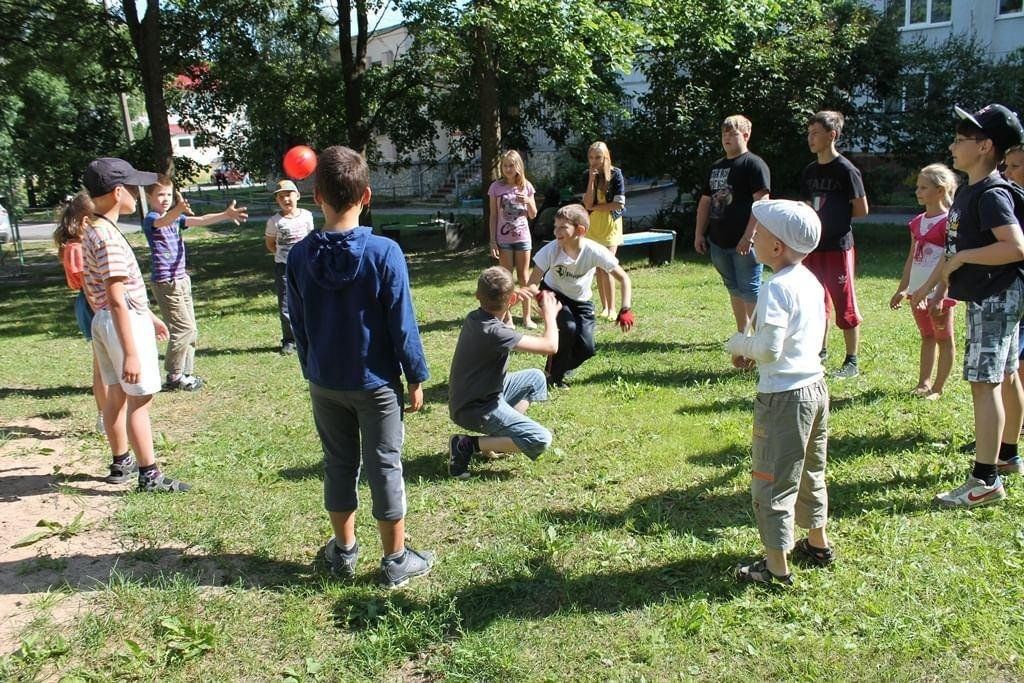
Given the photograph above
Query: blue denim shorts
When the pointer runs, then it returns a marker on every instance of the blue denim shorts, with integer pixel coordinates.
(84, 315)
(515, 246)
(502, 419)
(741, 274)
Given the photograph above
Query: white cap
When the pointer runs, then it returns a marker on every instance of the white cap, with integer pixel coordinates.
(285, 186)
(794, 223)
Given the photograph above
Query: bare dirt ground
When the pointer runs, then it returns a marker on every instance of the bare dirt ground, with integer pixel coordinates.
(43, 478)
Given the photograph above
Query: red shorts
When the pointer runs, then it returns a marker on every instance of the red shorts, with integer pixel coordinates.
(834, 270)
(938, 326)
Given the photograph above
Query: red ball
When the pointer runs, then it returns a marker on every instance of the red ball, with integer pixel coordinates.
(299, 162)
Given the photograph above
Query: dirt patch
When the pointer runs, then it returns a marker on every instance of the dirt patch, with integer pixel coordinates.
(45, 479)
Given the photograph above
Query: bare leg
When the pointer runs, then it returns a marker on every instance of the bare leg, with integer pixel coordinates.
(612, 308)
(741, 311)
(344, 526)
(777, 563)
(503, 444)
(947, 349)
(1013, 407)
(522, 263)
(140, 430)
(114, 419)
(926, 364)
(603, 286)
(99, 389)
(852, 339)
(989, 420)
(392, 536)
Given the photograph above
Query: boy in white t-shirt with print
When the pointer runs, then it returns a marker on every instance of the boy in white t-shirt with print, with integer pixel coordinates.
(791, 409)
(285, 229)
(566, 267)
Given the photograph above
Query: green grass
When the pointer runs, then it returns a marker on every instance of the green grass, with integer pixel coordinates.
(609, 558)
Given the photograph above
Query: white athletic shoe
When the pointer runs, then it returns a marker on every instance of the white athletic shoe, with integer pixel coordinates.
(972, 493)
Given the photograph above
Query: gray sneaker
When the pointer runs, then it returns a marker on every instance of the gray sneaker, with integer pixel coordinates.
(341, 562)
(972, 493)
(123, 471)
(162, 484)
(413, 563)
(847, 371)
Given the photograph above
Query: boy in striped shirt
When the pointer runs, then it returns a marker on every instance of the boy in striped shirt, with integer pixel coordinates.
(124, 329)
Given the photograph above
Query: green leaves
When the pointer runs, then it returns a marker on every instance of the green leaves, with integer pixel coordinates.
(53, 529)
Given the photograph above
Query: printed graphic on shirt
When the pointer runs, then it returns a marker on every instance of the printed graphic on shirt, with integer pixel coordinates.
(513, 207)
(721, 192)
(952, 227)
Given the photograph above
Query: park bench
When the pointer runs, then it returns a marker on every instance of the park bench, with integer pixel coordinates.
(661, 244)
(449, 231)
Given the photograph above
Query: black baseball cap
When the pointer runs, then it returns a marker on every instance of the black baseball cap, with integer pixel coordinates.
(104, 174)
(999, 124)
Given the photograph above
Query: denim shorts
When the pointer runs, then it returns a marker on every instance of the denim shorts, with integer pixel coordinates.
(992, 335)
(741, 274)
(515, 246)
(84, 315)
(502, 419)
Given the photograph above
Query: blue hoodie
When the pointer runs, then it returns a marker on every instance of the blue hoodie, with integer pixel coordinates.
(351, 311)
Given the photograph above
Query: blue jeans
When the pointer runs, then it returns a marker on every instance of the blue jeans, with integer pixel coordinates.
(84, 315)
(741, 274)
(502, 419)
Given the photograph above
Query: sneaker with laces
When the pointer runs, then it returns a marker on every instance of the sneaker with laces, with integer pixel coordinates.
(412, 563)
(184, 383)
(123, 471)
(1014, 465)
(288, 349)
(972, 493)
(847, 371)
(162, 484)
(460, 452)
(341, 562)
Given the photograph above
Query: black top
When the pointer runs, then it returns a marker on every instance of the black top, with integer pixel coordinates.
(731, 185)
(976, 210)
(829, 188)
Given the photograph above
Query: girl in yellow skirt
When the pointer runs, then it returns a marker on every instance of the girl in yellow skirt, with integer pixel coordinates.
(605, 199)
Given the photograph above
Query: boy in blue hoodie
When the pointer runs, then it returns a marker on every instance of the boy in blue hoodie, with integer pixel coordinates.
(355, 334)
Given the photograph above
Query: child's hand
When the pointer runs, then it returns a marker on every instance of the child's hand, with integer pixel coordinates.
(549, 304)
(236, 214)
(917, 297)
(494, 250)
(897, 299)
(742, 363)
(415, 398)
(132, 369)
(184, 207)
(625, 319)
(159, 328)
(951, 266)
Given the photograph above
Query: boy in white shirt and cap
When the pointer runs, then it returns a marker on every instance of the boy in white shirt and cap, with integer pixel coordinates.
(791, 408)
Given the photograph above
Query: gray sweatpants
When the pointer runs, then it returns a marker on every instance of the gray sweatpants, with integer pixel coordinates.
(361, 428)
(788, 468)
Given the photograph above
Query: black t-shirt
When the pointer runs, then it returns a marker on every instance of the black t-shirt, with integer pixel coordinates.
(976, 210)
(829, 188)
(731, 184)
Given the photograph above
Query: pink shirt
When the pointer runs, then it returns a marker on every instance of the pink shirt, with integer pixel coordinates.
(513, 225)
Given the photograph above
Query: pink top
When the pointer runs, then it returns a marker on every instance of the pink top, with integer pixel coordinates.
(513, 225)
(929, 235)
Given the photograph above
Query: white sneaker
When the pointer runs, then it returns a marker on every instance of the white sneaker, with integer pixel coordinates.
(972, 493)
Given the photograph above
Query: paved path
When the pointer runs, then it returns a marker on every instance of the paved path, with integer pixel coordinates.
(640, 204)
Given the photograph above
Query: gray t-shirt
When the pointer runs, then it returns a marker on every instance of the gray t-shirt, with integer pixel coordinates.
(479, 365)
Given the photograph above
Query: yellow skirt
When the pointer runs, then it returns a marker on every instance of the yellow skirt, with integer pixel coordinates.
(604, 230)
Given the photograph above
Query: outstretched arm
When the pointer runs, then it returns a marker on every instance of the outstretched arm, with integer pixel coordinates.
(235, 214)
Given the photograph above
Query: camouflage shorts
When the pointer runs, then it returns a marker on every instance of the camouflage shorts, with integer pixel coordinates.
(992, 335)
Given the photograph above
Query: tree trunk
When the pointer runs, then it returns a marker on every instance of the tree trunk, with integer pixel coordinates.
(146, 39)
(353, 70)
(486, 72)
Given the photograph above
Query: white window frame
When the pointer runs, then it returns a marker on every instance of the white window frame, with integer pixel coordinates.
(1008, 15)
(928, 18)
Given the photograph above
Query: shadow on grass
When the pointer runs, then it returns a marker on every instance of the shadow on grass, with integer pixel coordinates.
(544, 591)
(43, 392)
(684, 377)
(227, 351)
(152, 568)
(21, 432)
(747, 403)
(14, 487)
(441, 325)
(633, 346)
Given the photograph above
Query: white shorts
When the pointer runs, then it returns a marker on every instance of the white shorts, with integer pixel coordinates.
(110, 355)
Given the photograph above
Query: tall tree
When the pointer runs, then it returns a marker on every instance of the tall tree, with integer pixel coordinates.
(145, 34)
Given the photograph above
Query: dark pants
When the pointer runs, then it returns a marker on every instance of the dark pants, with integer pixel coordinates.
(287, 336)
(575, 336)
(361, 428)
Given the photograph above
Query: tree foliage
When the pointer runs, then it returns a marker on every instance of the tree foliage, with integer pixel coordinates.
(775, 62)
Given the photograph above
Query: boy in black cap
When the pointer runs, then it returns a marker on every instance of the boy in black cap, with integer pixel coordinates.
(124, 329)
(984, 267)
